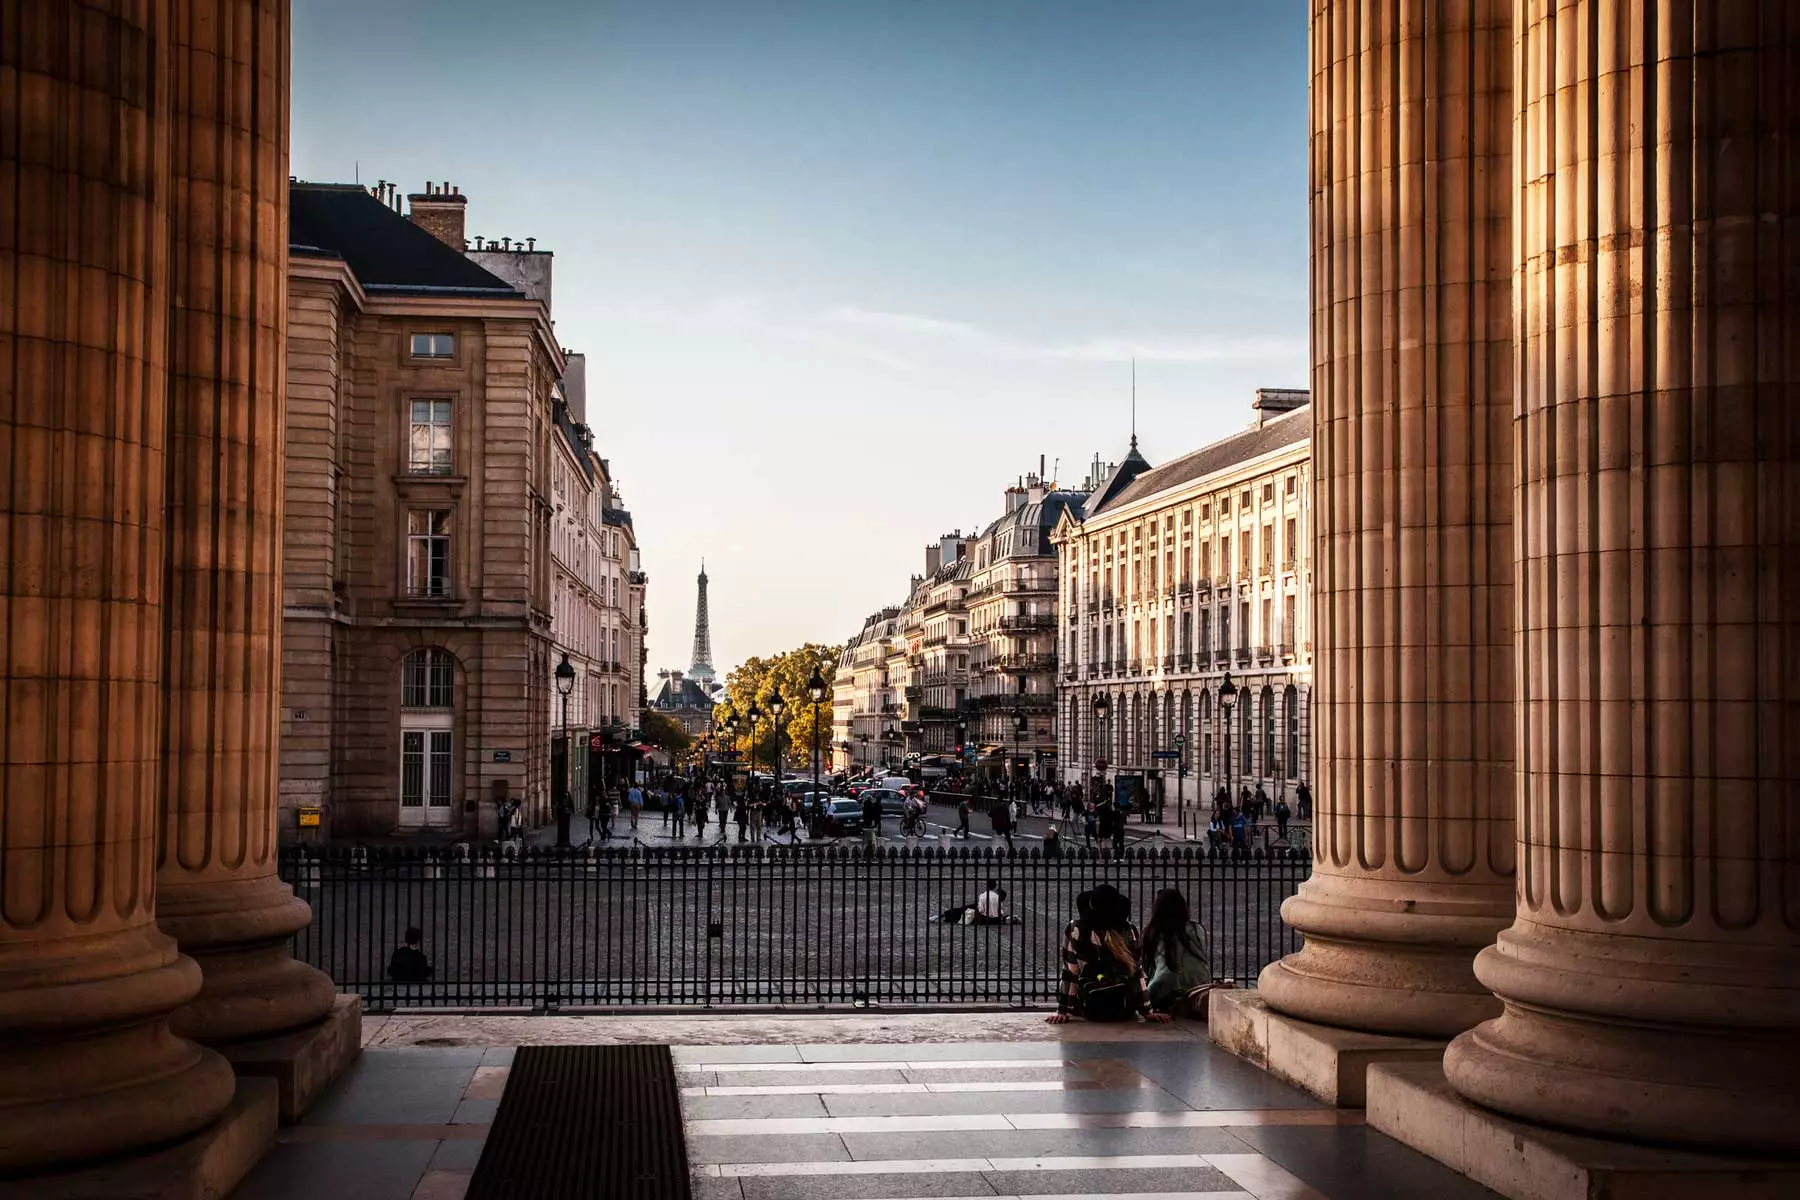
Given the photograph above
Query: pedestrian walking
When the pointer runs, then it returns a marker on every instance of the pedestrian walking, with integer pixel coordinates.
(1303, 801)
(634, 803)
(1002, 817)
(741, 814)
(1090, 821)
(1282, 813)
(962, 818)
(700, 812)
(758, 813)
(678, 803)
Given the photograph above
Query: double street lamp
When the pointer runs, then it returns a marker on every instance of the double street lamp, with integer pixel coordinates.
(565, 683)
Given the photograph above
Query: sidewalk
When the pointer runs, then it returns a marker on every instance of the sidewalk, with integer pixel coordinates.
(800, 1107)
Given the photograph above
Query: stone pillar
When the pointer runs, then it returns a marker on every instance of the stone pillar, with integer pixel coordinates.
(88, 1065)
(1412, 453)
(220, 897)
(1651, 980)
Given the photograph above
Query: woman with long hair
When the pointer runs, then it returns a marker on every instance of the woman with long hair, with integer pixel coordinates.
(1174, 952)
(1103, 978)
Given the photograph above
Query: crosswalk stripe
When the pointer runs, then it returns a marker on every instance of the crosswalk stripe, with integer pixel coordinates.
(927, 1064)
(869, 1089)
(944, 1166)
(936, 1123)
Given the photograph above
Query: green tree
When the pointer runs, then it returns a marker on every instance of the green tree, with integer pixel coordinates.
(760, 680)
(665, 733)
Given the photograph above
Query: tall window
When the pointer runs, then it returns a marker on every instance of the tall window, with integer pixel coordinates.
(1291, 700)
(1225, 551)
(1269, 761)
(434, 345)
(1206, 755)
(428, 553)
(1293, 541)
(1244, 707)
(428, 453)
(425, 771)
(427, 679)
(1287, 621)
(1268, 563)
(1244, 542)
(1244, 623)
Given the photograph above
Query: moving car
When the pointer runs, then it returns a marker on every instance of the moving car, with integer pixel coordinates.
(842, 816)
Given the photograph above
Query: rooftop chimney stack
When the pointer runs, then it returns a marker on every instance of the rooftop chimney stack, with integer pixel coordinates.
(440, 212)
(1272, 402)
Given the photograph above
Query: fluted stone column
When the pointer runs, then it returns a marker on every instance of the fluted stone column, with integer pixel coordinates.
(88, 1065)
(220, 896)
(1652, 978)
(1412, 454)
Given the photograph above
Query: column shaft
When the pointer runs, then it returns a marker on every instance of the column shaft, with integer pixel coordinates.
(1413, 856)
(1651, 980)
(88, 1065)
(220, 897)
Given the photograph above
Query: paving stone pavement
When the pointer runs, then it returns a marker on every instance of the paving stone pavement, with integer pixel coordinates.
(870, 1108)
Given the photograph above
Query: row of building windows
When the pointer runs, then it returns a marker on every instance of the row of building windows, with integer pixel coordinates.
(1268, 728)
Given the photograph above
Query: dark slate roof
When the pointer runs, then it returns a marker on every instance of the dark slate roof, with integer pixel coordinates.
(615, 516)
(689, 695)
(383, 249)
(1129, 468)
(1272, 435)
(572, 436)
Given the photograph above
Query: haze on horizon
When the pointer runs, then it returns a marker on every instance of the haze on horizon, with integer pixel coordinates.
(843, 271)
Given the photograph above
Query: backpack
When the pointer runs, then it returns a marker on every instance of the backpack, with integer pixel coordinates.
(1105, 986)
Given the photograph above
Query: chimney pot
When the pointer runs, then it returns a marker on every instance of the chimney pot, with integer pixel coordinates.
(531, 243)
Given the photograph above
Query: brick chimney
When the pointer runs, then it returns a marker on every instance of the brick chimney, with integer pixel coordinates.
(439, 210)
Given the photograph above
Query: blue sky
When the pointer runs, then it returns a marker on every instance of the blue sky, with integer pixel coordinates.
(843, 269)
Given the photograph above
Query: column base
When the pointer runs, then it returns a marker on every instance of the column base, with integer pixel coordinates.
(203, 1166)
(1413, 1103)
(1322, 1060)
(304, 1062)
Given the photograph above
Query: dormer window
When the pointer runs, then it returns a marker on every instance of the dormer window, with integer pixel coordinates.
(434, 345)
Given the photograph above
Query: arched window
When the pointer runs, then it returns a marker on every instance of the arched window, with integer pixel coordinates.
(1245, 707)
(1270, 765)
(1291, 702)
(427, 678)
(1206, 735)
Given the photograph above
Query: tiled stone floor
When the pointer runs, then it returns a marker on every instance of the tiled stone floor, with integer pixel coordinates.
(875, 1107)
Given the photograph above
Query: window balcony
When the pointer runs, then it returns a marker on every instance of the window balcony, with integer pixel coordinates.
(1265, 653)
(1168, 663)
(1243, 656)
(1286, 650)
(1029, 621)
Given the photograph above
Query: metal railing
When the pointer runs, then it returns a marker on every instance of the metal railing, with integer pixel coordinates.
(805, 926)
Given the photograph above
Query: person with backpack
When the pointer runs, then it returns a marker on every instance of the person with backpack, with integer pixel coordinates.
(1102, 979)
(1282, 815)
(1174, 953)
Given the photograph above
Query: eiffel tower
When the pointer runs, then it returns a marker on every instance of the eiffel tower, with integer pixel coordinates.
(703, 665)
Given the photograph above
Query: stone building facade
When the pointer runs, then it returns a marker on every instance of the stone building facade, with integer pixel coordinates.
(1012, 603)
(1174, 577)
(864, 704)
(422, 439)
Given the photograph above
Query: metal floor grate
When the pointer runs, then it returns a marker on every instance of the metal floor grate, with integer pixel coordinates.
(586, 1123)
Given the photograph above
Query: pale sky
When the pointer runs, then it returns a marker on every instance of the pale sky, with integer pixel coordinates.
(843, 269)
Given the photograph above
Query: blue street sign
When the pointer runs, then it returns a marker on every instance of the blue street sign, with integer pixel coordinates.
(1165, 754)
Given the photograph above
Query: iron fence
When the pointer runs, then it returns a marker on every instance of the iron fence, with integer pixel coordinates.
(750, 926)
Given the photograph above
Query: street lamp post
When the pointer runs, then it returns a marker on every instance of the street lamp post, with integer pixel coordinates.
(864, 739)
(1018, 719)
(1103, 724)
(752, 715)
(1180, 771)
(1227, 697)
(815, 691)
(777, 706)
(565, 683)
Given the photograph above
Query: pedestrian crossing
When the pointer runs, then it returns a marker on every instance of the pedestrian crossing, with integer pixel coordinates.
(850, 1122)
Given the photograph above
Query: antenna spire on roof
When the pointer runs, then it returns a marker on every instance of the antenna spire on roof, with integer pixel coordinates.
(1134, 404)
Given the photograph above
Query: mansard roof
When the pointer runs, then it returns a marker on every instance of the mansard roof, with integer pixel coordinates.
(386, 252)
